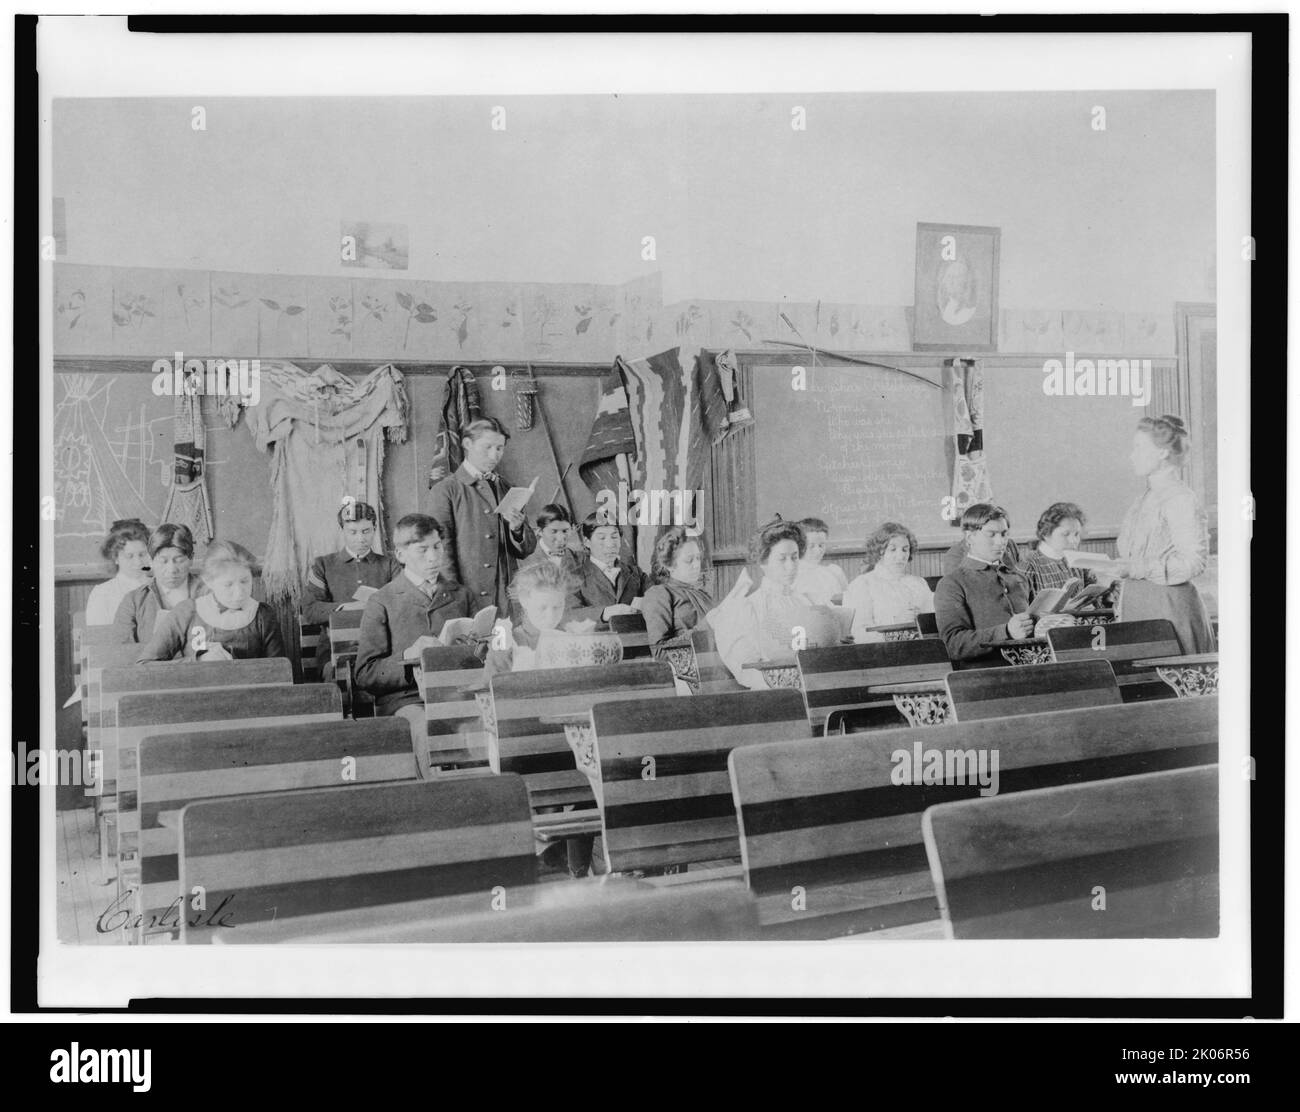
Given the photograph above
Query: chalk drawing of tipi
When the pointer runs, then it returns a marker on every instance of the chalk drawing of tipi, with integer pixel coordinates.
(91, 488)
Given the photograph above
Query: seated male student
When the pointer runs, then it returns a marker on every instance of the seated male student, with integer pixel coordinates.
(981, 602)
(553, 526)
(404, 617)
(335, 578)
(606, 584)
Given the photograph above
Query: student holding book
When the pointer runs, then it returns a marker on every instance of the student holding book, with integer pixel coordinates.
(885, 594)
(823, 583)
(126, 548)
(405, 616)
(1163, 542)
(982, 602)
(606, 584)
(335, 579)
(484, 547)
(765, 624)
(1060, 528)
(226, 623)
(677, 601)
(171, 554)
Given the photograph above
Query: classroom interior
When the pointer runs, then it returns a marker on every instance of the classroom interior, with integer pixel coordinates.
(536, 241)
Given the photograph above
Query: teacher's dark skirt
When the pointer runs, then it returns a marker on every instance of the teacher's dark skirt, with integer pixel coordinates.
(1142, 601)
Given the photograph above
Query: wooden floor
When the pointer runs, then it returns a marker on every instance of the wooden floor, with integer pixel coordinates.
(82, 896)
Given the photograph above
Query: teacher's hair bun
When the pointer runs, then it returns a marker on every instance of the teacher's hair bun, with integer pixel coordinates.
(1176, 423)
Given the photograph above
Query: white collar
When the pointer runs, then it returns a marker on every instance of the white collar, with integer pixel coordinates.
(206, 608)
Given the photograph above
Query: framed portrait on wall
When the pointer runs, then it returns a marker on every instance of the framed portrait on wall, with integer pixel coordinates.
(956, 307)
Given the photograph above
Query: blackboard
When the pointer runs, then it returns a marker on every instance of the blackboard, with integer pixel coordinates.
(113, 452)
(857, 446)
(864, 445)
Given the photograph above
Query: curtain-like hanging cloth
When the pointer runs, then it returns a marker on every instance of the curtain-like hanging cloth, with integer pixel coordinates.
(970, 475)
(327, 435)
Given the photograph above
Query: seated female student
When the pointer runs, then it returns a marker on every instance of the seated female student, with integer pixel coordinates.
(406, 616)
(227, 623)
(823, 583)
(539, 591)
(127, 548)
(677, 602)
(767, 624)
(605, 584)
(885, 594)
(982, 602)
(171, 552)
(1060, 529)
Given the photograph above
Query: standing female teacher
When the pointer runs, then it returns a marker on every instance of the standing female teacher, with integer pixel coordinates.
(1164, 541)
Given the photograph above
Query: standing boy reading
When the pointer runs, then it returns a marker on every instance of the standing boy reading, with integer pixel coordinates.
(404, 617)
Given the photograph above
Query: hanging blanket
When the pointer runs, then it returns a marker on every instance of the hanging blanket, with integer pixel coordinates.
(970, 476)
(187, 498)
(326, 432)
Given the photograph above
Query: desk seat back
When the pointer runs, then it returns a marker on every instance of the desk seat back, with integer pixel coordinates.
(263, 857)
(1005, 692)
(831, 833)
(94, 659)
(695, 661)
(539, 751)
(186, 766)
(177, 675)
(309, 635)
(715, 676)
(632, 632)
(204, 710)
(836, 678)
(1029, 865)
(1121, 643)
(451, 714)
(344, 635)
(927, 625)
(664, 786)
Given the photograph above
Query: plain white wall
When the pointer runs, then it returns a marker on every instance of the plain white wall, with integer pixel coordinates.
(742, 206)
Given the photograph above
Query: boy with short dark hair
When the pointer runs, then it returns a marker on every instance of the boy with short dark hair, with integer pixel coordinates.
(334, 579)
(404, 617)
(606, 584)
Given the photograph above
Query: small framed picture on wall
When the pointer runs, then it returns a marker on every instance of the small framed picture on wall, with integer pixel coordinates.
(956, 288)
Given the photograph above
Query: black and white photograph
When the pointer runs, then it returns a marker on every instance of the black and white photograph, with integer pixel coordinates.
(768, 520)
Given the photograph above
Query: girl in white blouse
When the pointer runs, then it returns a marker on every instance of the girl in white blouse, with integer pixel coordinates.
(885, 594)
(126, 547)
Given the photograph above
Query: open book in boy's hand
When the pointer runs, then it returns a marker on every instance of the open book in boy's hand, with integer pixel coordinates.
(461, 630)
(455, 631)
(516, 498)
(1054, 599)
(1085, 597)
(362, 594)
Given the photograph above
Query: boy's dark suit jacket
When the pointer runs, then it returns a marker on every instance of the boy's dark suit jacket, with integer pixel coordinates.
(484, 553)
(394, 618)
(595, 592)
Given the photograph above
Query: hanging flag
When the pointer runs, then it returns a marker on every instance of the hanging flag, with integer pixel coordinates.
(460, 406)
